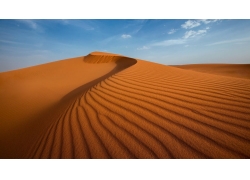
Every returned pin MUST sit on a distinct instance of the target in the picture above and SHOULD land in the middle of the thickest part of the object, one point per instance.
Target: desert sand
(106, 105)
(232, 70)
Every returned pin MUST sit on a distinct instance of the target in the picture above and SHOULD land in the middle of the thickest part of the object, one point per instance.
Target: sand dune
(232, 70)
(109, 106)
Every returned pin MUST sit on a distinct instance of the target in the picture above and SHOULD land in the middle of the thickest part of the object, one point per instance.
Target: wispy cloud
(170, 42)
(125, 36)
(86, 25)
(10, 42)
(137, 29)
(109, 39)
(58, 44)
(135, 26)
(206, 21)
(143, 48)
(64, 21)
(31, 23)
(172, 31)
(83, 24)
(190, 24)
(230, 41)
(191, 33)
(195, 23)
(24, 50)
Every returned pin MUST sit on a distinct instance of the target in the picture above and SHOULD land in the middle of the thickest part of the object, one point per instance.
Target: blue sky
(30, 42)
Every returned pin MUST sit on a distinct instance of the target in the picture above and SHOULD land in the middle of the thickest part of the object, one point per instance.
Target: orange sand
(109, 106)
(232, 70)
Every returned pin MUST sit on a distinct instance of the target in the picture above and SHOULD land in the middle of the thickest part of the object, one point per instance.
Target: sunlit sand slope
(149, 110)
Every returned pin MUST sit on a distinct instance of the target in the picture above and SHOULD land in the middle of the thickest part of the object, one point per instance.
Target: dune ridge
(147, 110)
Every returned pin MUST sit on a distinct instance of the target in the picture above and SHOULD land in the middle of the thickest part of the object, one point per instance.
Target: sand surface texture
(109, 106)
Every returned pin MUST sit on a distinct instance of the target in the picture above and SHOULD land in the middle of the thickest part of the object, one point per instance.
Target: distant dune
(232, 70)
(109, 106)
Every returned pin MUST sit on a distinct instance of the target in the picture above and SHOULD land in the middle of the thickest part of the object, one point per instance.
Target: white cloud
(191, 34)
(169, 42)
(190, 24)
(125, 36)
(143, 48)
(201, 31)
(172, 31)
(206, 21)
(207, 28)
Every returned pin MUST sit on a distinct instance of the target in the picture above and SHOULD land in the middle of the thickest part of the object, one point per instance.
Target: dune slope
(148, 110)
(33, 98)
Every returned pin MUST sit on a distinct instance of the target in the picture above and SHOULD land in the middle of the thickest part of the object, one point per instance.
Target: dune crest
(98, 57)
(141, 109)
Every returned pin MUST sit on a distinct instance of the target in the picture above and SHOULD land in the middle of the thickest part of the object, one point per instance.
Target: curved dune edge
(153, 111)
(98, 57)
(121, 62)
(25, 134)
